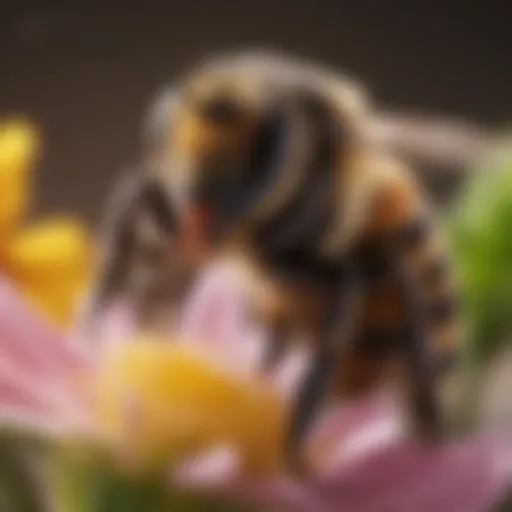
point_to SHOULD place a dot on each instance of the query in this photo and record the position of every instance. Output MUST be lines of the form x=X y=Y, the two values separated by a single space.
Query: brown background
x=84 y=71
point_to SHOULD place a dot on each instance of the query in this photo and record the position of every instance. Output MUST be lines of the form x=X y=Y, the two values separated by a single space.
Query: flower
x=199 y=402
x=49 y=260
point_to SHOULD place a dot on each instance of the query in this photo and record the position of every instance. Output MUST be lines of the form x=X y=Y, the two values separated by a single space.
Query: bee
x=337 y=234
x=269 y=159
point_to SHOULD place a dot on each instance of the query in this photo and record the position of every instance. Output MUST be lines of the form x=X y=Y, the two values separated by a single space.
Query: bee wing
x=441 y=143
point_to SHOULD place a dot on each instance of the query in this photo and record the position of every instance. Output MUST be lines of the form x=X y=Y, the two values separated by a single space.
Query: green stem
x=21 y=484
x=92 y=485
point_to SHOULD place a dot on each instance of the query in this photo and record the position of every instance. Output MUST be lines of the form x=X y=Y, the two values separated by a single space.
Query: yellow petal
x=54 y=251
x=19 y=144
x=51 y=262
x=19 y=149
x=162 y=399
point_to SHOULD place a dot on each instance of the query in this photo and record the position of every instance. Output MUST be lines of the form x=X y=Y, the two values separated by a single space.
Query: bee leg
x=111 y=280
x=118 y=242
x=335 y=336
x=277 y=345
x=160 y=207
x=420 y=363
x=138 y=197
x=156 y=236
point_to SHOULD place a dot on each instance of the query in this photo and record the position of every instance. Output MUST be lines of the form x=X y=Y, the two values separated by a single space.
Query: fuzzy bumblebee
x=334 y=236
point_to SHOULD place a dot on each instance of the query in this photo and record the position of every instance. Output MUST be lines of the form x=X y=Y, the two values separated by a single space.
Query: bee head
x=237 y=124
x=225 y=131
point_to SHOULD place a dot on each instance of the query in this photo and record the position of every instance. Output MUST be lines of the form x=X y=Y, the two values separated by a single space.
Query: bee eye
x=221 y=111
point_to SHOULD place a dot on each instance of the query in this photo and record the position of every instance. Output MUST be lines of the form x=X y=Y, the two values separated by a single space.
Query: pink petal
x=216 y=308
x=503 y=453
x=115 y=326
x=217 y=474
x=16 y=394
x=354 y=427
x=32 y=422
x=215 y=317
x=250 y=350
x=35 y=367
x=289 y=373
x=33 y=406
x=45 y=393
x=282 y=493
x=213 y=470
x=409 y=477
x=25 y=336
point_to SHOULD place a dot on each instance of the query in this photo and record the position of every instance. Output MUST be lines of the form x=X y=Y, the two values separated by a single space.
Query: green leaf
x=480 y=230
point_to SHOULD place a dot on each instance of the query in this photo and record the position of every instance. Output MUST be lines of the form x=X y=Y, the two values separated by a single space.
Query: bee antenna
x=158 y=120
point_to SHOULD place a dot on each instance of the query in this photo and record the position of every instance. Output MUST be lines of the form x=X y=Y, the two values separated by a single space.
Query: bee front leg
x=419 y=359
x=135 y=198
x=335 y=336
x=117 y=234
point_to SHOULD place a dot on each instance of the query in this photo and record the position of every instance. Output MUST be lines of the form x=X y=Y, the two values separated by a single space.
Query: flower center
x=168 y=401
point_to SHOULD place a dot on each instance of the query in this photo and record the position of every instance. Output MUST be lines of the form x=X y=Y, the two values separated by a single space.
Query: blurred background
x=84 y=71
